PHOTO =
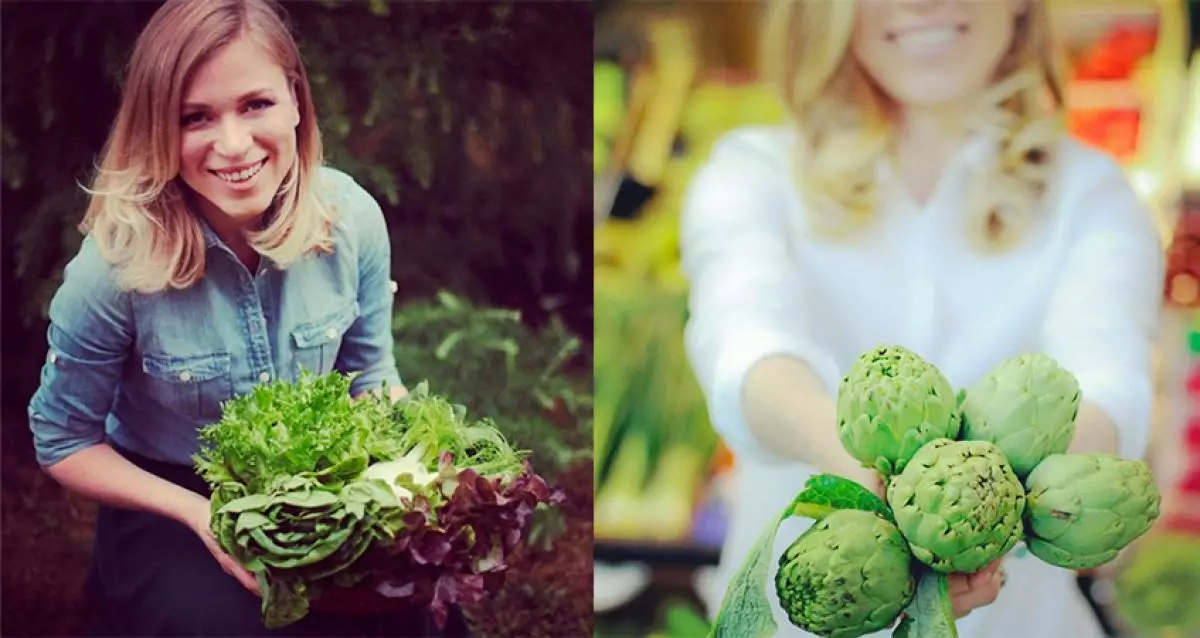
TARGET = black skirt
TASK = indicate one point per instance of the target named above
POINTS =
(152, 576)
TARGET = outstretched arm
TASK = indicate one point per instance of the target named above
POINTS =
(765, 378)
(1104, 317)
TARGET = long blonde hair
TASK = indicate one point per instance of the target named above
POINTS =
(138, 215)
(844, 124)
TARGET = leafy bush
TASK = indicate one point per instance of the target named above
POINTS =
(536, 384)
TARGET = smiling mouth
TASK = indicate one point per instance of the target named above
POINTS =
(927, 36)
(241, 175)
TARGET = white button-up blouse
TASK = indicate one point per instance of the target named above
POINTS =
(1085, 287)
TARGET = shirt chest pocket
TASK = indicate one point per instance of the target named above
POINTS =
(316, 343)
(192, 386)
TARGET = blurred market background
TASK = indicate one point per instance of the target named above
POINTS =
(472, 136)
(670, 79)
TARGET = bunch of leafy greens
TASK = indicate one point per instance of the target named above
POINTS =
(313, 489)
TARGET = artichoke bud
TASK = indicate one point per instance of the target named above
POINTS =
(890, 404)
(1083, 509)
(1026, 406)
(848, 575)
(959, 504)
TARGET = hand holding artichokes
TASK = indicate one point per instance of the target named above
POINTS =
(967, 477)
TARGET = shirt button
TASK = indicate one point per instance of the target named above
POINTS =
(331, 333)
(53, 357)
(264, 377)
(185, 376)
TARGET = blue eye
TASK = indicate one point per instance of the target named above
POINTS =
(260, 104)
(191, 118)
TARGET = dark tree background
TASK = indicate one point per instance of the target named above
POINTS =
(469, 121)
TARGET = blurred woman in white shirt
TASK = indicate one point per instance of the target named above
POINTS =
(924, 193)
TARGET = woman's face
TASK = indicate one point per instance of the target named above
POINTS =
(238, 132)
(932, 53)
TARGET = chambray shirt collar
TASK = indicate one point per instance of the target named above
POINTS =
(211, 238)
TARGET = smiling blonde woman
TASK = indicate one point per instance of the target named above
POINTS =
(187, 139)
(924, 193)
(219, 254)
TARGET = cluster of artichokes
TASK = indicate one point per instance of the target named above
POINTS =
(968, 475)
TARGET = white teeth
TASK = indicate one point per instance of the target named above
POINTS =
(928, 37)
(242, 176)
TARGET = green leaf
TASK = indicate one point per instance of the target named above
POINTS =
(449, 300)
(226, 532)
(337, 562)
(281, 557)
(931, 613)
(826, 493)
(745, 612)
(251, 520)
(345, 470)
(369, 491)
(309, 499)
(284, 601)
(246, 503)
(447, 345)
(509, 348)
(545, 526)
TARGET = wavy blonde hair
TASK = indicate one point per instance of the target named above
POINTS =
(845, 128)
(138, 214)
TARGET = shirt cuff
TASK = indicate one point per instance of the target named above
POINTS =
(370, 380)
(53, 442)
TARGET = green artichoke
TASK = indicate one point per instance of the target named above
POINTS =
(1083, 509)
(959, 505)
(1027, 406)
(890, 404)
(848, 575)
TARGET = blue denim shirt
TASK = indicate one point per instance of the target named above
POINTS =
(145, 372)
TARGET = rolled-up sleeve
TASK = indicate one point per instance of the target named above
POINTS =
(746, 298)
(1103, 318)
(90, 333)
(367, 347)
